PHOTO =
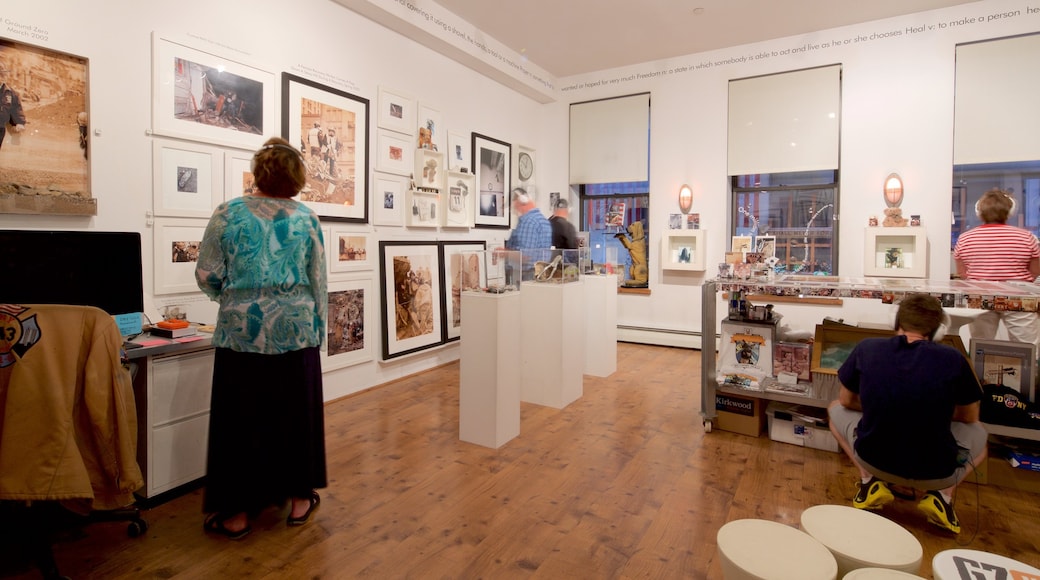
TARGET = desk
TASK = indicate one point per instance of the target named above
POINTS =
(172, 393)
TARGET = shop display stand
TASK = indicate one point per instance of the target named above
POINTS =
(600, 325)
(489, 373)
(552, 343)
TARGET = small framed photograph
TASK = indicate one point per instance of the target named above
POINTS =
(1006, 363)
(395, 153)
(458, 153)
(350, 250)
(396, 111)
(209, 98)
(766, 245)
(176, 251)
(351, 310)
(491, 163)
(675, 221)
(388, 199)
(188, 179)
(741, 244)
(238, 176)
(431, 131)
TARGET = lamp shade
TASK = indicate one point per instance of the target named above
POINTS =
(685, 198)
(893, 190)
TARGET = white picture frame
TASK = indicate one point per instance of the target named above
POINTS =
(423, 209)
(187, 179)
(349, 332)
(389, 196)
(396, 111)
(175, 247)
(458, 153)
(189, 86)
(395, 152)
(430, 119)
(349, 250)
(238, 174)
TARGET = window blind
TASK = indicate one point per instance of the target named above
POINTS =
(785, 122)
(996, 111)
(610, 140)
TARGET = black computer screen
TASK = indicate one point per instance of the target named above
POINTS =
(84, 268)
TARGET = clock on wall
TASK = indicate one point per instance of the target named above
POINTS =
(524, 165)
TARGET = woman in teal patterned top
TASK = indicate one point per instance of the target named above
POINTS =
(262, 259)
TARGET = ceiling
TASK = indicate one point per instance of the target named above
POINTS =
(569, 37)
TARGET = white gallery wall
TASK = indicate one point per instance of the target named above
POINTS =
(897, 99)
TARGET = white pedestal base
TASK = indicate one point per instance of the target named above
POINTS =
(552, 343)
(489, 368)
(600, 325)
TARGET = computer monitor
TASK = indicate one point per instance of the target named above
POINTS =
(83, 268)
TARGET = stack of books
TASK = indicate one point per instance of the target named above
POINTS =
(173, 329)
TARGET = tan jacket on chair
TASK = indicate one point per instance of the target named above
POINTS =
(68, 424)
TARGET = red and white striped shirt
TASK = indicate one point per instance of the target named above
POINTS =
(997, 252)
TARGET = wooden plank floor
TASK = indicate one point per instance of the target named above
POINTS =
(623, 483)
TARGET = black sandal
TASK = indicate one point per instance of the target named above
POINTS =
(215, 523)
(315, 499)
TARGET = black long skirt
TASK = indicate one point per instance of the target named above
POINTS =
(266, 430)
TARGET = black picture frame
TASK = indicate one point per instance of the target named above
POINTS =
(492, 172)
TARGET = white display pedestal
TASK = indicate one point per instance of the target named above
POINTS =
(600, 325)
(552, 343)
(489, 373)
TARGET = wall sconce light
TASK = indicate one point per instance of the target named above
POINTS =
(893, 190)
(685, 198)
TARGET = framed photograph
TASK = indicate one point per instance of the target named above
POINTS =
(46, 116)
(1006, 363)
(458, 153)
(331, 128)
(396, 111)
(765, 245)
(395, 153)
(741, 244)
(350, 251)
(238, 175)
(432, 134)
(491, 161)
(187, 179)
(458, 211)
(389, 195)
(176, 251)
(204, 97)
(350, 314)
(410, 277)
(460, 271)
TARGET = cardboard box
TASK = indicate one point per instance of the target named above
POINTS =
(1026, 461)
(800, 425)
(998, 472)
(742, 415)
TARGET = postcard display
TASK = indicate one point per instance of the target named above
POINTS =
(489, 373)
(746, 353)
(552, 332)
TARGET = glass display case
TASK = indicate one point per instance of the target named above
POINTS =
(550, 266)
(900, 252)
(498, 271)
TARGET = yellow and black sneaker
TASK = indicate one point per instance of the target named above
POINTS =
(939, 512)
(872, 495)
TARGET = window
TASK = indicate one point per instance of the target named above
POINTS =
(608, 209)
(1021, 179)
(798, 209)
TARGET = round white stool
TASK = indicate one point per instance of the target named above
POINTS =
(877, 574)
(958, 563)
(861, 539)
(764, 550)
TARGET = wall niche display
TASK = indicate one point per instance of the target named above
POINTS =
(42, 171)
(205, 97)
(899, 252)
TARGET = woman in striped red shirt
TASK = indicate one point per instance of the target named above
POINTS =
(997, 252)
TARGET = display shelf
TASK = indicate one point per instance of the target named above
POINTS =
(683, 250)
(423, 209)
(895, 252)
(458, 201)
(430, 169)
